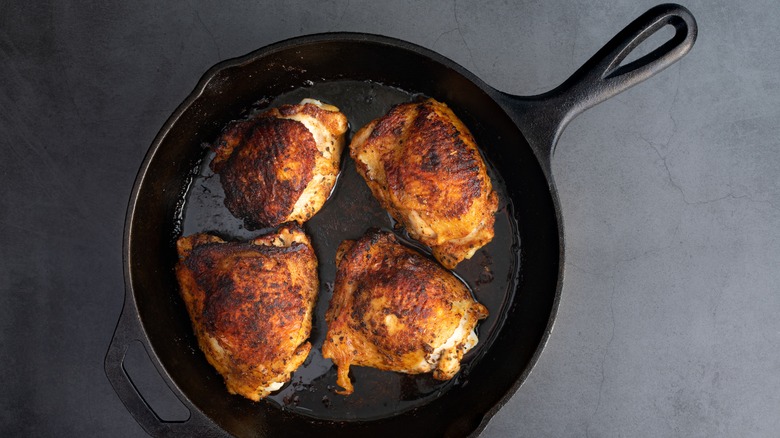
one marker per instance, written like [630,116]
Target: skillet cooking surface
[349,212]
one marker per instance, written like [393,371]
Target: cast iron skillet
[518,276]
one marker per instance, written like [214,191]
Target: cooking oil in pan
[349,212]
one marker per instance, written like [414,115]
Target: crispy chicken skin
[280,165]
[396,310]
[251,305]
[422,164]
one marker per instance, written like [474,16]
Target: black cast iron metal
[517,136]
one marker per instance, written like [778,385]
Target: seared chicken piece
[281,165]
[422,164]
[396,310]
[251,305]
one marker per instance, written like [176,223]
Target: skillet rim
[201,88]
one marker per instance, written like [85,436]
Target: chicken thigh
[251,305]
[422,164]
[280,165]
[396,310]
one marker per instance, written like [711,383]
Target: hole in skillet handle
[147,381]
[181,420]
[653,42]
[543,118]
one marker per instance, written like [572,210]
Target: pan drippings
[351,209]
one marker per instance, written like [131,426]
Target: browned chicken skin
[396,310]
[281,165]
[422,164]
[251,305]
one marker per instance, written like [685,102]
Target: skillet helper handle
[127,332]
[542,118]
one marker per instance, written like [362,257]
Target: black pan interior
[350,211]
[363,77]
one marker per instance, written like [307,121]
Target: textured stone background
[668,325]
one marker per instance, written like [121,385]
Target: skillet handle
[129,330]
[543,118]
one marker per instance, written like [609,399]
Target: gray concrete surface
[668,325]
